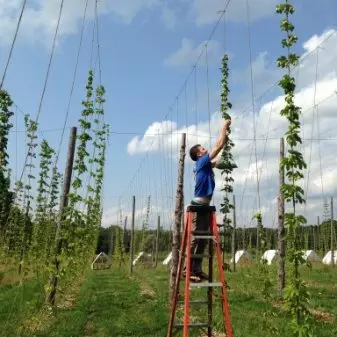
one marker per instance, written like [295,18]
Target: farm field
[138,131]
[111,303]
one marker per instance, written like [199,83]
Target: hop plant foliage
[5,126]
[296,293]
[226,155]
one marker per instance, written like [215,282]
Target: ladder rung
[194,302]
[206,284]
[199,255]
[192,325]
[206,237]
[201,233]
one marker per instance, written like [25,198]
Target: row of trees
[34,236]
[114,239]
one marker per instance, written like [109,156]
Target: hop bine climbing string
[296,293]
[226,155]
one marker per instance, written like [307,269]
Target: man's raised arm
[221,141]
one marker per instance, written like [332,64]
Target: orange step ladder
[185,250]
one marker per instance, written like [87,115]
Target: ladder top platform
[201,209]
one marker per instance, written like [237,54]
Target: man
[204,187]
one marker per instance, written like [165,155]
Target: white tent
[327,259]
[271,256]
[168,259]
[242,256]
[101,261]
[141,257]
[138,257]
[311,256]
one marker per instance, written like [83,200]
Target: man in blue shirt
[204,187]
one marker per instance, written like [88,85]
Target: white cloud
[264,74]
[207,11]
[270,121]
[188,54]
[40,16]
[169,18]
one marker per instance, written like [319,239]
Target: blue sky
[147,49]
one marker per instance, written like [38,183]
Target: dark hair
[194,152]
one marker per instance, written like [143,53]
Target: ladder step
[192,325]
[199,255]
[201,233]
[206,237]
[194,302]
[206,284]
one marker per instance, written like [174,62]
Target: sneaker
[202,275]
[194,277]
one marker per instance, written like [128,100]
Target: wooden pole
[50,298]
[157,241]
[281,231]
[234,234]
[132,233]
[320,243]
[24,238]
[125,235]
[332,246]
[111,248]
[178,215]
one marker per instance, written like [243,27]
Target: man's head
[197,151]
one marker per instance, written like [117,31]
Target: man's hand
[222,139]
[227,123]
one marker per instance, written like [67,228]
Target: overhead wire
[208,99]
[13,43]
[312,130]
[45,81]
[73,83]
[98,43]
[253,104]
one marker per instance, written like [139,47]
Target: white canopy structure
[327,259]
[141,257]
[271,256]
[168,259]
[311,256]
[242,256]
[101,260]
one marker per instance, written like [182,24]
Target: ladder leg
[210,279]
[175,294]
[225,303]
[188,274]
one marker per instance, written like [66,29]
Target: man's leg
[200,222]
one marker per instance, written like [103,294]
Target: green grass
[17,301]
[110,303]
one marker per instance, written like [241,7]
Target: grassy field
[111,303]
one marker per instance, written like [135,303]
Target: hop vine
[227,164]
[296,292]
[5,126]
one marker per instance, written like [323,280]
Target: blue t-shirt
[204,177]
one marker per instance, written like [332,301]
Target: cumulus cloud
[207,11]
[188,54]
[169,18]
[318,100]
[40,17]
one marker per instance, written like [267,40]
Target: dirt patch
[214,334]
[318,315]
[322,286]
[67,299]
[88,329]
[324,316]
[147,292]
